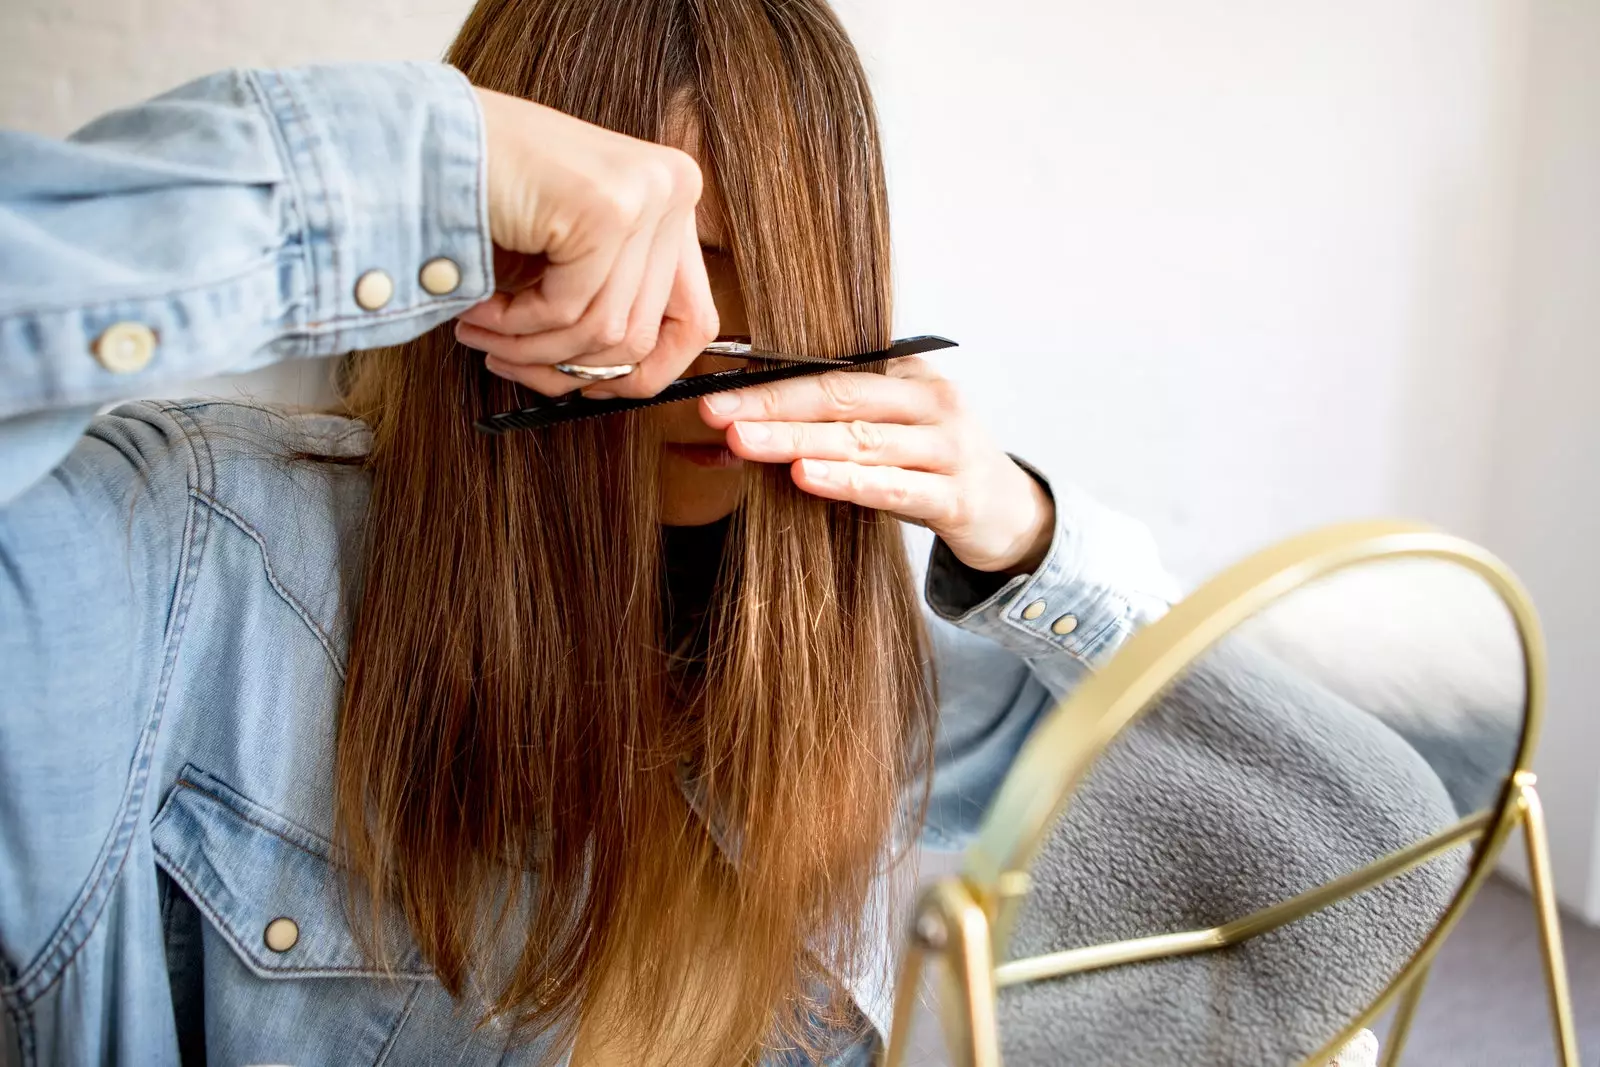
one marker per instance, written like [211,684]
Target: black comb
[549,411]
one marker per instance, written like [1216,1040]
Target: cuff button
[125,347]
[440,277]
[1064,625]
[1034,610]
[373,289]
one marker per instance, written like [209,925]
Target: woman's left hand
[901,442]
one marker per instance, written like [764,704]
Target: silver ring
[596,374]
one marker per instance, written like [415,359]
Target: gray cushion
[1247,784]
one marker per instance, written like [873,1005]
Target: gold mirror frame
[962,923]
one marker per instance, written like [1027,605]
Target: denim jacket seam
[324,191]
[1050,648]
[341,322]
[21,1012]
[480,172]
[288,598]
[399,1024]
[1096,639]
[299,219]
[107,301]
[189,783]
[55,957]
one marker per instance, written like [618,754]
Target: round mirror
[1248,832]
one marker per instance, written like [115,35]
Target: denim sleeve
[227,225]
[97,566]
[1006,655]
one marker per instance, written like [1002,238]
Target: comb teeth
[536,418]
[552,411]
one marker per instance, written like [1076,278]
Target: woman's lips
[703,455]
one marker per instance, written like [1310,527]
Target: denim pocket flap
[267,885]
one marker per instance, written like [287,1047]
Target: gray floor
[1485,1005]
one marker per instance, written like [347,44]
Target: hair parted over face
[514,754]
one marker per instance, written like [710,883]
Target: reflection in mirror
[1352,719]
[1425,646]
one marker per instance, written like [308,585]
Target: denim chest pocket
[284,979]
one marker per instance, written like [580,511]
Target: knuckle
[765,398]
[640,343]
[610,332]
[854,483]
[656,180]
[707,324]
[866,438]
[957,512]
[911,367]
[841,389]
[648,380]
[565,313]
[619,206]
[550,383]
[681,174]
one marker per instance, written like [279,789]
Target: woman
[363,737]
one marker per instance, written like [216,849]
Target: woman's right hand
[612,221]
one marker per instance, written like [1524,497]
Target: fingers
[837,396]
[688,322]
[918,495]
[910,367]
[671,319]
[925,448]
[602,227]
[521,331]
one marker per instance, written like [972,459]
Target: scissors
[552,410]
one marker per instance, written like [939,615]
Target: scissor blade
[550,411]
[742,350]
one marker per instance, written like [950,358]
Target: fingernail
[722,403]
[599,394]
[754,433]
[815,469]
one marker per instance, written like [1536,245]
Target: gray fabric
[1245,785]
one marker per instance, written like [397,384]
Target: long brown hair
[514,753]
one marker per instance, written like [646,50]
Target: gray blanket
[1247,784]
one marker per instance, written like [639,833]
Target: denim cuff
[1100,579]
[388,166]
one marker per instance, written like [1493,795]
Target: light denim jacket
[172,642]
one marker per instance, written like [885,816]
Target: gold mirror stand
[960,921]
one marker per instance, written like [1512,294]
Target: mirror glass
[1355,717]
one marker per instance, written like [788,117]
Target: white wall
[1544,516]
[1241,268]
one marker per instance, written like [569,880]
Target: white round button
[1064,625]
[1033,611]
[125,347]
[282,934]
[373,289]
[440,276]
